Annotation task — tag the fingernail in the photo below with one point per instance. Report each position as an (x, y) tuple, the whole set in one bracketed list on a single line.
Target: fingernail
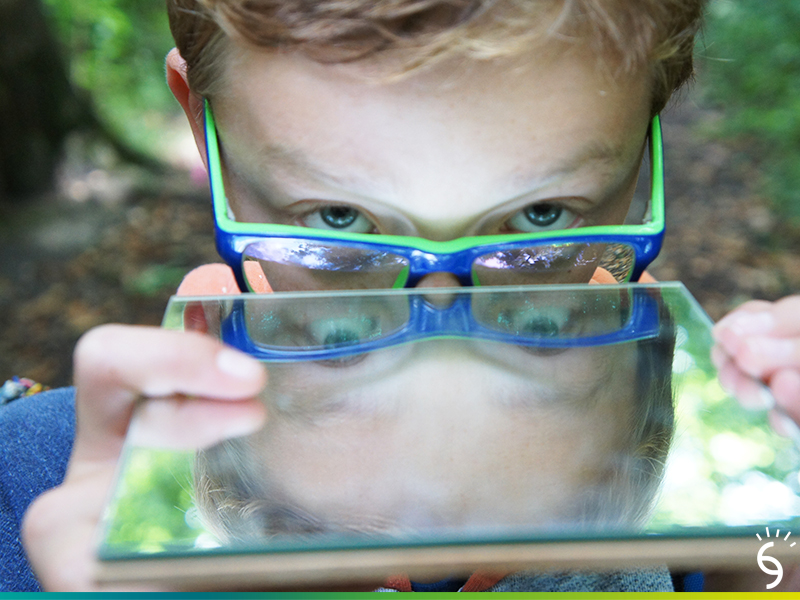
[(749, 323), (238, 365)]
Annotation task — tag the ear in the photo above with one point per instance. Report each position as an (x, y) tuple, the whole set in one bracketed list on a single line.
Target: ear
[(206, 280), (191, 103)]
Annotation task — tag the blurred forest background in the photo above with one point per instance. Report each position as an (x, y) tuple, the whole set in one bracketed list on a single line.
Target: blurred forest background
[(104, 206)]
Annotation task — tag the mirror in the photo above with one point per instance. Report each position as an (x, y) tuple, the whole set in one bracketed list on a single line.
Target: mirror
[(427, 431)]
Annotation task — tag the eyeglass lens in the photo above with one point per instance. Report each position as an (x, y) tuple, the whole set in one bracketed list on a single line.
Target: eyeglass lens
[(308, 265), (311, 324)]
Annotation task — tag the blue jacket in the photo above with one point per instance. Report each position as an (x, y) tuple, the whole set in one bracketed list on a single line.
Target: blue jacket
[(36, 436)]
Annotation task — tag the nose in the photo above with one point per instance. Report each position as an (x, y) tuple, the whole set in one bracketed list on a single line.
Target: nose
[(439, 279)]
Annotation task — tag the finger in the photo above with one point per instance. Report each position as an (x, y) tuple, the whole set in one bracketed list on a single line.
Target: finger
[(760, 357), (759, 318), (786, 313), (719, 357), (60, 550), (785, 386), (748, 391), (752, 318), (115, 365), (193, 423), (62, 556), (61, 567)]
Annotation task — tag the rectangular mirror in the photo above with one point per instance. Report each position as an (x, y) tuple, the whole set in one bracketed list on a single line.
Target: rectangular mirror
[(432, 432)]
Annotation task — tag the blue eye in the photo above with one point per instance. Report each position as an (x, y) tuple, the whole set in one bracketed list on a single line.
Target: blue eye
[(541, 216), (341, 337), (537, 326), (535, 322), (336, 332), (340, 217), (541, 327)]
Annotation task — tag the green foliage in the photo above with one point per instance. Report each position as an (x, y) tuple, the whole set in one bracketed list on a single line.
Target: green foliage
[(720, 453), (751, 69), (116, 51), (155, 280), (153, 503)]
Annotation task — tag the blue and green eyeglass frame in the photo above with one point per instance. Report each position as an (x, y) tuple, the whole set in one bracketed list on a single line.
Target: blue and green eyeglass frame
[(301, 327), (294, 258)]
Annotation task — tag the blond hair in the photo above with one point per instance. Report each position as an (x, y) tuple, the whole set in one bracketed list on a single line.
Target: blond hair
[(657, 34)]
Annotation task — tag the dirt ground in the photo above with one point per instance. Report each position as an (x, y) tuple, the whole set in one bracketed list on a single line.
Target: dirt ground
[(67, 266), (722, 239)]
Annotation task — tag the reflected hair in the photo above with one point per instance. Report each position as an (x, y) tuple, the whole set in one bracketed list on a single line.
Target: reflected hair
[(631, 492)]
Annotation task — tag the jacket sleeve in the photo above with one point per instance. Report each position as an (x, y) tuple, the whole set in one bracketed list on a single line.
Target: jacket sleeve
[(36, 436)]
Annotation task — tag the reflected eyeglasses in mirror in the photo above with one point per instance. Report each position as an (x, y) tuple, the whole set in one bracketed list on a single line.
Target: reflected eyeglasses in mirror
[(321, 328)]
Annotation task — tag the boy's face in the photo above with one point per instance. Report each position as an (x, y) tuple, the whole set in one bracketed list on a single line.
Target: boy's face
[(542, 141)]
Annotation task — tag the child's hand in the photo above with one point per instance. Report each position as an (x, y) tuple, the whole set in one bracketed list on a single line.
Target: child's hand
[(760, 342), (194, 392)]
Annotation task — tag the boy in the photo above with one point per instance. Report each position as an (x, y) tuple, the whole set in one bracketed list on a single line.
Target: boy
[(433, 119)]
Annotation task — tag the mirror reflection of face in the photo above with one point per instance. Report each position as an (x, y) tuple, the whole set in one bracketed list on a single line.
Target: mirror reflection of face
[(443, 435), (453, 440), (281, 328)]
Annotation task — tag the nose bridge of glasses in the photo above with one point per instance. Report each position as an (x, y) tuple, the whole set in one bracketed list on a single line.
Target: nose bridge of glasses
[(646, 249), (439, 270), (443, 313)]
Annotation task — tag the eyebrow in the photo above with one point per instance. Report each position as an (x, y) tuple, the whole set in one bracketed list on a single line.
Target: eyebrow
[(598, 151), (295, 160)]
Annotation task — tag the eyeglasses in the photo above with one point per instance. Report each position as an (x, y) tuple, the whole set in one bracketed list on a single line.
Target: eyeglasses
[(293, 258), (297, 327), (302, 327)]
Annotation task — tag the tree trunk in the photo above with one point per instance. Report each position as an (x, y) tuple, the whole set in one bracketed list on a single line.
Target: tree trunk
[(38, 106)]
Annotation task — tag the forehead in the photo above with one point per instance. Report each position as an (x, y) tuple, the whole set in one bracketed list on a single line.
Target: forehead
[(466, 129), (285, 91), (416, 439)]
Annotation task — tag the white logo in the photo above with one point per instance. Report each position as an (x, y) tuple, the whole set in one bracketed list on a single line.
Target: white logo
[(762, 558)]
